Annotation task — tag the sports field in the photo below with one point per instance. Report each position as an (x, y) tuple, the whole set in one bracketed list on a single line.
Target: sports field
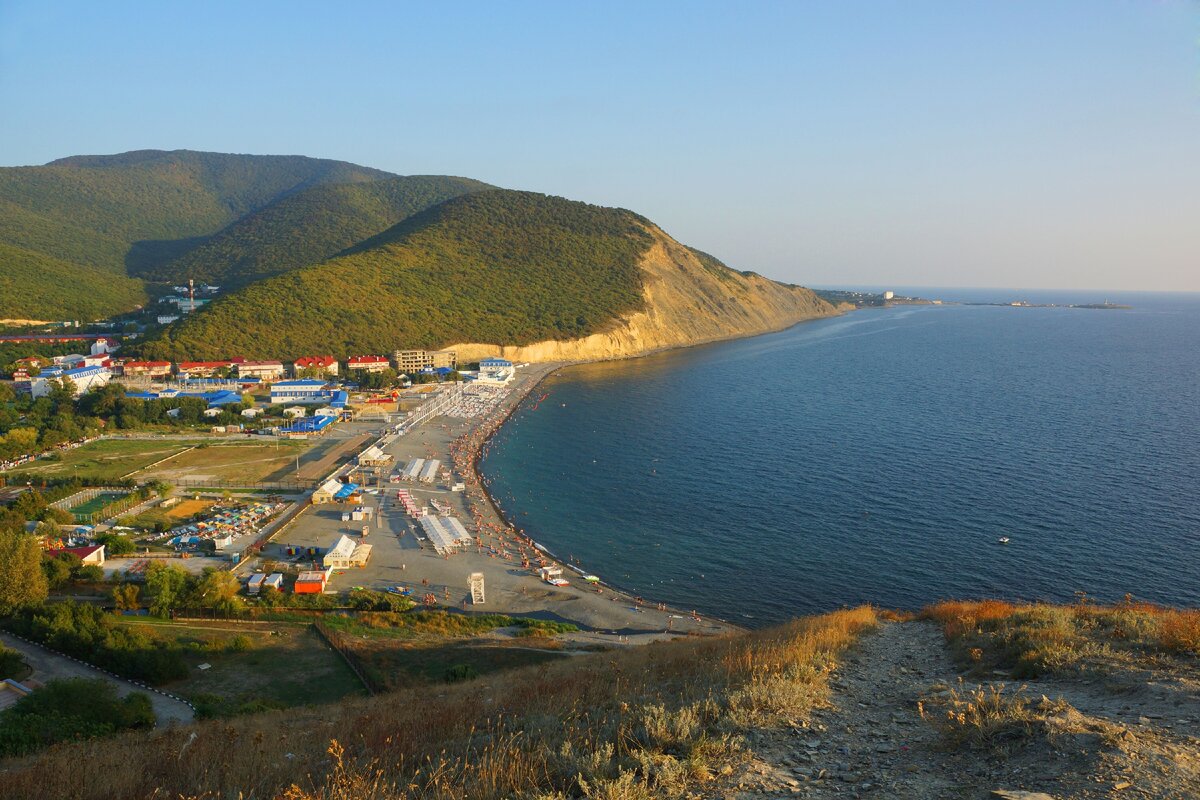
[(96, 503), (234, 463)]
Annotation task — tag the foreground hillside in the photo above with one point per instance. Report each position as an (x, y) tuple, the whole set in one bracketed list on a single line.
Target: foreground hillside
[(551, 278), (972, 700)]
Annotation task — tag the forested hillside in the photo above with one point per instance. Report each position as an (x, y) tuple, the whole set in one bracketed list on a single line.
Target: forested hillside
[(498, 266), (306, 227), (89, 211), (40, 287)]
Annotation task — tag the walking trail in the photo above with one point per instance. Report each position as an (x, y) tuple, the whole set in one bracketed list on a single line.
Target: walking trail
[(1112, 738), (48, 666)]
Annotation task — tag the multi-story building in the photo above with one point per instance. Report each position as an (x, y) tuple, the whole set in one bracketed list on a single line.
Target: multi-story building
[(266, 370), (368, 363), (416, 360), (325, 364)]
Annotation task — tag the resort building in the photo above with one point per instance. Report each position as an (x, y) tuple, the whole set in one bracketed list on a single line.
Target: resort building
[(322, 364), (368, 363), (201, 369), (265, 370), (495, 370), (411, 361), (146, 369), (305, 390), (78, 380)]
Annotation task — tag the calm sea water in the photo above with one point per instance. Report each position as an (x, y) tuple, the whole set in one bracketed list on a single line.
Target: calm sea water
[(877, 457)]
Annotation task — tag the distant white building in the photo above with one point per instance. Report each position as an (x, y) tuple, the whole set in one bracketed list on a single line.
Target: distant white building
[(79, 380), (888, 295)]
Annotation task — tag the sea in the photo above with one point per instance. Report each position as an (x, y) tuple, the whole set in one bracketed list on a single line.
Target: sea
[(878, 457)]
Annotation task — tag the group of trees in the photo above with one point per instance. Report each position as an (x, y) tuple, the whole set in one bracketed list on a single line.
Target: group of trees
[(170, 587), (23, 583), (29, 426), (91, 634), (65, 710)]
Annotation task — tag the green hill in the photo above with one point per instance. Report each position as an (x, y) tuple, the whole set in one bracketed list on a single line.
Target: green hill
[(47, 288), (305, 227), (494, 266), (90, 211)]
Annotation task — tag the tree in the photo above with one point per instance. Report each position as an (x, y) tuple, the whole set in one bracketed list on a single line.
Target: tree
[(89, 573), (125, 597), (167, 587), (115, 544), (56, 515), (218, 590), (57, 572), (22, 581)]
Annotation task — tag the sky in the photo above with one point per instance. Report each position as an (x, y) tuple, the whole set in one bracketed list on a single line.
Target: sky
[(1016, 143)]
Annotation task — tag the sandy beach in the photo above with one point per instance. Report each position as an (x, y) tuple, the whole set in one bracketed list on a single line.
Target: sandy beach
[(508, 560)]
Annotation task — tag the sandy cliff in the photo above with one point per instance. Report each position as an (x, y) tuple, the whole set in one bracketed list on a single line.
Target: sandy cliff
[(687, 302)]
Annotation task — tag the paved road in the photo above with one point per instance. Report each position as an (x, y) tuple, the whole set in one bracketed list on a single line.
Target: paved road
[(48, 666)]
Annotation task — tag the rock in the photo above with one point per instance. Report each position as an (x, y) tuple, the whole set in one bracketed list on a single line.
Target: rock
[(1121, 785), (1020, 794)]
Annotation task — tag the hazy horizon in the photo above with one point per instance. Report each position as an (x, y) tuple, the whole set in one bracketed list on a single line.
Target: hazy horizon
[(1053, 146)]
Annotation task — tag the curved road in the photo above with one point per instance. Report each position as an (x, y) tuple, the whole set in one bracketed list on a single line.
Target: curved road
[(48, 666)]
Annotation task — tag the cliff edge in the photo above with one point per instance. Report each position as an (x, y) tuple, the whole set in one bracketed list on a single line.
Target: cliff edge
[(689, 299)]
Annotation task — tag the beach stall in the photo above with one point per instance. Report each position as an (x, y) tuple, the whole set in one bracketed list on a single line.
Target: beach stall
[(429, 471)]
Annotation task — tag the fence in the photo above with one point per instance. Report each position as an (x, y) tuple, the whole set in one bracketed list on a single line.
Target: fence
[(333, 639), (274, 486), (127, 500)]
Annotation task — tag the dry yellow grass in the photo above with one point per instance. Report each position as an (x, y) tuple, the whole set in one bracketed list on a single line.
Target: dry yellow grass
[(185, 509), (1032, 639), (657, 720)]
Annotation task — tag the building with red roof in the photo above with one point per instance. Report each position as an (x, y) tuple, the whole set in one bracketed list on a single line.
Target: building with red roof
[(368, 363), (201, 369), (150, 369), (88, 555), (326, 364)]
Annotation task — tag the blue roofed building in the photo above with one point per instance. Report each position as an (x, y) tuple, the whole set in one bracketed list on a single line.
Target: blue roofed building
[(308, 390)]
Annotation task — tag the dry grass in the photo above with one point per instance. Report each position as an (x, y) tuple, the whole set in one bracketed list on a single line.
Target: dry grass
[(654, 721), (987, 716), (1031, 640)]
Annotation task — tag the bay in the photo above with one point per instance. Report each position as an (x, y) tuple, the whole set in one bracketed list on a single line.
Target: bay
[(878, 457)]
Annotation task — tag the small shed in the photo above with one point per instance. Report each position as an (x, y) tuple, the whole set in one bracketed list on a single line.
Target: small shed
[(310, 583)]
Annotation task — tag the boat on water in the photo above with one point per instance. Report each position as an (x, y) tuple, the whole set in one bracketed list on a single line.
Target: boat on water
[(1003, 540)]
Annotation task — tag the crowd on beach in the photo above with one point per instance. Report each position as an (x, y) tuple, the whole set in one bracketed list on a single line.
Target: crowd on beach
[(494, 534)]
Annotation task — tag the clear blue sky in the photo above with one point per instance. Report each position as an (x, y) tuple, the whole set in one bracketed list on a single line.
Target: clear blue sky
[(1027, 143)]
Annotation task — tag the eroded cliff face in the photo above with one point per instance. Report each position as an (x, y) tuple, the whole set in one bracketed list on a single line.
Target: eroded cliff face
[(687, 303)]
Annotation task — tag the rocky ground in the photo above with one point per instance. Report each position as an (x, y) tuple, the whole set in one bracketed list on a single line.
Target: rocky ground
[(885, 732)]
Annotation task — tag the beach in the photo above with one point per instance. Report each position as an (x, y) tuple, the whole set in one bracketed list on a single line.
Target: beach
[(508, 560)]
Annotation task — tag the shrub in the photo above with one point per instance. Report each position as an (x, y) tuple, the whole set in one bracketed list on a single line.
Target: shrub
[(76, 708), (460, 672)]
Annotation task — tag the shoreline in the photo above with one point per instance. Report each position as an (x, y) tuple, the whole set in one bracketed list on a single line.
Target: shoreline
[(472, 473)]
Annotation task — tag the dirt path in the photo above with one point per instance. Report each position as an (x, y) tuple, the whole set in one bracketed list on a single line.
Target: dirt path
[(870, 741), (49, 666)]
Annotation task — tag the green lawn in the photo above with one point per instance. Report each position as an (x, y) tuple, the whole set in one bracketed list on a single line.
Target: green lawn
[(283, 665), (107, 459)]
